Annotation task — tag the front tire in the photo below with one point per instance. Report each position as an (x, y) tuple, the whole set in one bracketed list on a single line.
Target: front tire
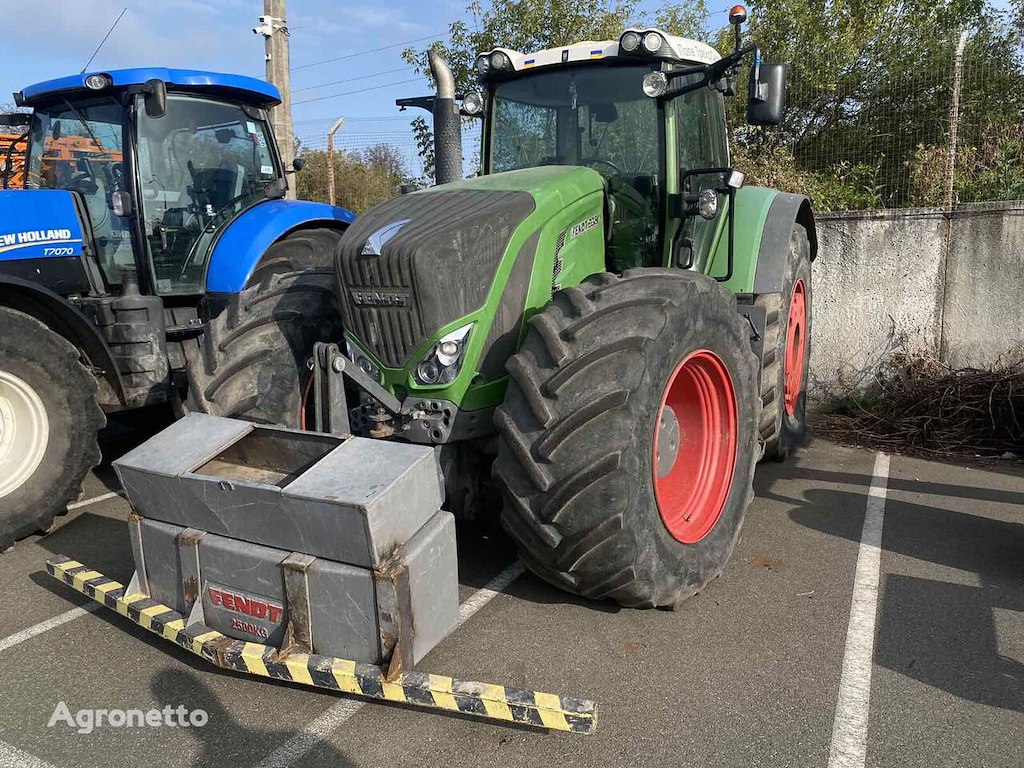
[(251, 362), (49, 418), (595, 505)]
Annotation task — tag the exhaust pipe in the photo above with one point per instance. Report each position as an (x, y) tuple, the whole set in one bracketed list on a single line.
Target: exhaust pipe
[(447, 123)]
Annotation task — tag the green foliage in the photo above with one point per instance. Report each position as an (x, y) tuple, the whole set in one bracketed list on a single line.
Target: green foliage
[(989, 169), (361, 179)]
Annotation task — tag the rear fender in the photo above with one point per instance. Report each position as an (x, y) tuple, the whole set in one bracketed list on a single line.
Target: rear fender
[(64, 319), (243, 242), (786, 210)]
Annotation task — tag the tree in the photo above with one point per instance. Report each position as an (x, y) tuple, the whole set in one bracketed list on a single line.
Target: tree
[(362, 179)]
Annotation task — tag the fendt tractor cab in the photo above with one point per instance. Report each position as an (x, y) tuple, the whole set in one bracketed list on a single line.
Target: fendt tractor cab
[(606, 320), (150, 257)]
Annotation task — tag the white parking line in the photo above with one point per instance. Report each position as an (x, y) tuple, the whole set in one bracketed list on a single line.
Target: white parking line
[(64, 618), (43, 626), (850, 729), (319, 728), (12, 757), (94, 500)]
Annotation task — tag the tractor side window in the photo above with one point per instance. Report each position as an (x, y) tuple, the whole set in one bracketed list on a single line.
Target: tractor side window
[(200, 164), (702, 142), (78, 147), (700, 124)]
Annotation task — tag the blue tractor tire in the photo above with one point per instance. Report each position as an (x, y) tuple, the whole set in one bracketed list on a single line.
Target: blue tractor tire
[(251, 361), (49, 418)]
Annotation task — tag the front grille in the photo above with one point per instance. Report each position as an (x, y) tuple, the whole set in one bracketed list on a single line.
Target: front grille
[(392, 329), (418, 262)]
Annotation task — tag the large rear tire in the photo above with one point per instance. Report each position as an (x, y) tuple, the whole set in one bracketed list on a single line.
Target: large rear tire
[(49, 418), (787, 348), (610, 369), (251, 363)]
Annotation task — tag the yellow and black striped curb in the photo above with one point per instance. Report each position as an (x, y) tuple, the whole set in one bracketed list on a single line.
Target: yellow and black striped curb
[(495, 702)]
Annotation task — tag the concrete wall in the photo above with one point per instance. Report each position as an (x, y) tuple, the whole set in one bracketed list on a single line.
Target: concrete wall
[(915, 281)]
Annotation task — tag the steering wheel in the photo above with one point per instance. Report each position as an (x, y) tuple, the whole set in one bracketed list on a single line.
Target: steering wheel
[(226, 207), (85, 183), (598, 161)]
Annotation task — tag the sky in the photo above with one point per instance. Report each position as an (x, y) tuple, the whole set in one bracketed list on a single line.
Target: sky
[(56, 37)]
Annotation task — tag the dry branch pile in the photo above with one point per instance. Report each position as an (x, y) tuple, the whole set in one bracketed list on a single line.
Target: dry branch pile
[(920, 405)]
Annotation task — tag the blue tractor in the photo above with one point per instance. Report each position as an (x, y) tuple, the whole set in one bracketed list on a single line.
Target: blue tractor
[(151, 259)]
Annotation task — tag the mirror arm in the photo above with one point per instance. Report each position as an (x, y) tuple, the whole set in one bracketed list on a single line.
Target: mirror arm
[(712, 72)]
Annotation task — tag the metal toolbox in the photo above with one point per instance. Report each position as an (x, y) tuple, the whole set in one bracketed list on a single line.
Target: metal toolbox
[(301, 541)]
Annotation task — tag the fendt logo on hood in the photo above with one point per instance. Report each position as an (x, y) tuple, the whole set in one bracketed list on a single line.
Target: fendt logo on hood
[(375, 242), (249, 605)]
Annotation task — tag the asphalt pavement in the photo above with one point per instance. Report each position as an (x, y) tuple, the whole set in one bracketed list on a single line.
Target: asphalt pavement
[(767, 666)]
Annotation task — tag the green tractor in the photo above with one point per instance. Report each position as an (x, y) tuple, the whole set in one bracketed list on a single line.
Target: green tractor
[(605, 330)]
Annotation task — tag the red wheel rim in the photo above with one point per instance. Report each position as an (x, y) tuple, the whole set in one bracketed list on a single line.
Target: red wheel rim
[(796, 346), (695, 459)]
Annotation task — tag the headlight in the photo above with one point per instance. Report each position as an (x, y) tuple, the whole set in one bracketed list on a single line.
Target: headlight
[(97, 82), (630, 41), (473, 103), (483, 64), (655, 84), (653, 42), (707, 204), (444, 360), (365, 364), (500, 61)]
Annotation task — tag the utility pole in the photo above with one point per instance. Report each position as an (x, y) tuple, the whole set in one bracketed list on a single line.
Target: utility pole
[(274, 28), (330, 158)]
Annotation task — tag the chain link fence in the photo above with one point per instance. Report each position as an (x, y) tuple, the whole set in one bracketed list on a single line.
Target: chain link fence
[(943, 134)]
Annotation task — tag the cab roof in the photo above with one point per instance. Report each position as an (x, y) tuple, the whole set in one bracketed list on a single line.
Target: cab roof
[(676, 48), (246, 89)]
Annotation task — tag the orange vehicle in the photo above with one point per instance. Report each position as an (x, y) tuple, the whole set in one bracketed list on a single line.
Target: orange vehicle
[(12, 159), (60, 159)]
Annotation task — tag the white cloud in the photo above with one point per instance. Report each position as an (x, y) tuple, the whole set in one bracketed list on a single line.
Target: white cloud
[(187, 33)]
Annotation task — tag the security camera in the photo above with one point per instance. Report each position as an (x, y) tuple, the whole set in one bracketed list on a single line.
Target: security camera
[(266, 27)]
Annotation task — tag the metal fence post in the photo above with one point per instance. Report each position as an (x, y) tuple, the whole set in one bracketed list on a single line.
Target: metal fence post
[(954, 123), (330, 158)]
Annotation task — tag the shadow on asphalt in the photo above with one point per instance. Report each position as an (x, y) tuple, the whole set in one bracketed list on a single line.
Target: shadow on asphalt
[(180, 687), (98, 541), (938, 633)]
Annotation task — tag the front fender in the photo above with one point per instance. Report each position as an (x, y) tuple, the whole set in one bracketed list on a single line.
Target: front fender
[(243, 242), (64, 319)]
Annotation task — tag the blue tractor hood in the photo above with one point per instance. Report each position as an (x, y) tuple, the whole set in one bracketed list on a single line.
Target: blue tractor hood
[(246, 89)]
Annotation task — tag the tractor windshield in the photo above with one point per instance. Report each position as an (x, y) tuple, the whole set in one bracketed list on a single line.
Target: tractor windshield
[(199, 164), (596, 116)]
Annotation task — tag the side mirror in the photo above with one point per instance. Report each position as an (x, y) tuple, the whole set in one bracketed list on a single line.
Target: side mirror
[(121, 203), (298, 164), (156, 98), (766, 97), (55, 131)]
